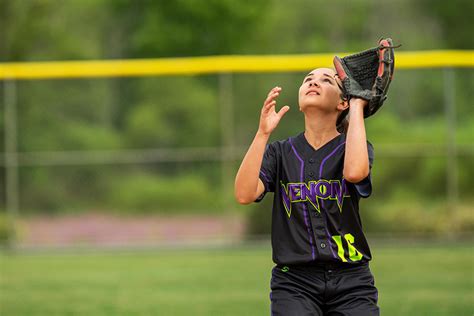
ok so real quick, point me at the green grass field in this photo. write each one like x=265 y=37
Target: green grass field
x=413 y=279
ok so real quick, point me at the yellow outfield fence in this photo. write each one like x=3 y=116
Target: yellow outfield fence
x=217 y=64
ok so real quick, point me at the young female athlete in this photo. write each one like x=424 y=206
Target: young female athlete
x=318 y=177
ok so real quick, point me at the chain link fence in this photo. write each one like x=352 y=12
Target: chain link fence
x=149 y=159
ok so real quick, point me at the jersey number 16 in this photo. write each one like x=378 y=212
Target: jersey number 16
x=354 y=254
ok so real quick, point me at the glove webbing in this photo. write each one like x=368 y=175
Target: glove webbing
x=363 y=67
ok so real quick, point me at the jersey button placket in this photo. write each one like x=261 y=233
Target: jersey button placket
x=313 y=225
x=314 y=213
x=311 y=172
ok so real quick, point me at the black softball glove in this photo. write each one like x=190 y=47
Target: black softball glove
x=368 y=74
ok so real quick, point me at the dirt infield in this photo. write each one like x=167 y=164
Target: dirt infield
x=99 y=229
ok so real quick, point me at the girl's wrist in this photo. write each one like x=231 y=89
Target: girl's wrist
x=261 y=133
x=357 y=106
x=358 y=102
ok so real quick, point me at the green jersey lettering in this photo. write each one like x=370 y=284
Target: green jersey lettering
x=340 y=249
x=354 y=254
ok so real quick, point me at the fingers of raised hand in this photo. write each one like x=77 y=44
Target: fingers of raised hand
x=269 y=105
x=275 y=89
x=275 y=92
x=283 y=110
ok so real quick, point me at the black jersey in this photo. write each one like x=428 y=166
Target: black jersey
x=315 y=217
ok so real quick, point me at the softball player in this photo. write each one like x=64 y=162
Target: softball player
x=318 y=178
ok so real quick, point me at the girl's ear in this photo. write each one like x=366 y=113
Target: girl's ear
x=343 y=105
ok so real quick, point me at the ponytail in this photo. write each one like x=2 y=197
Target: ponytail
x=342 y=123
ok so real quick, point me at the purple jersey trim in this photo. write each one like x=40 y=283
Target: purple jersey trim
x=305 y=211
x=327 y=157
x=322 y=202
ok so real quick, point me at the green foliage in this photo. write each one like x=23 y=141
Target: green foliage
x=388 y=129
x=190 y=27
x=51 y=30
x=401 y=215
x=73 y=136
x=65 y=115
x=63 y=188
x=142 y=193
x=455 y=20
x=169 y=103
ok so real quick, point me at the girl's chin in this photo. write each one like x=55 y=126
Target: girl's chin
x=311 y=107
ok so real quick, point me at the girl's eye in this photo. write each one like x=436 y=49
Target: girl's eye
x=327 y=80
x=307 y=79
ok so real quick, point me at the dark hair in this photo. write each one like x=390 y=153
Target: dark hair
x=342 y=123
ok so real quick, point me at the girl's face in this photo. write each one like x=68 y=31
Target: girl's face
x=320 y=89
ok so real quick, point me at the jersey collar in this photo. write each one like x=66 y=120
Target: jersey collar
x=306 y=149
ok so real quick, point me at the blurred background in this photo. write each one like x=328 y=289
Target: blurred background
x=144 y=165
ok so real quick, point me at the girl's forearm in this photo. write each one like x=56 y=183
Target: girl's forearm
x=247 y=187
x=356 y=160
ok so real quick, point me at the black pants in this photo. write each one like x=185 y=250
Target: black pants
x=301 y=290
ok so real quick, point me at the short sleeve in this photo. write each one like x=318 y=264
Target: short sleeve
x=364 y=187
x=268 y=170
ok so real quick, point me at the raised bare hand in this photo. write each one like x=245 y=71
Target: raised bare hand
x=269 y=118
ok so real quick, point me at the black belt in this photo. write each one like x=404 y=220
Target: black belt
x=330 y=265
